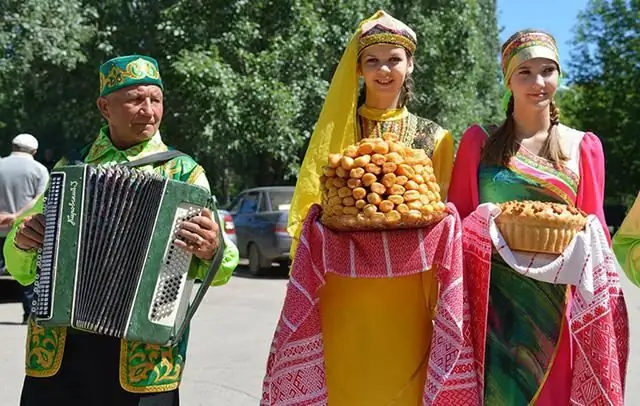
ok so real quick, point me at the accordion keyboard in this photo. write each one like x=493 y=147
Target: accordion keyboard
x=45 y=275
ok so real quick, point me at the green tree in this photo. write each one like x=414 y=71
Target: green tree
x=34 y=34
x=245 y=81
x=256 y=79
x=605 y=70
x=458 y=83
x=570 y=101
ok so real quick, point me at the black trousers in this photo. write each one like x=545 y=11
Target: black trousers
x=27 y=291
x=89 y=375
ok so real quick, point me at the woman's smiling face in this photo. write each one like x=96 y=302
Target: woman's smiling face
x=534 y=82
x=384 y=68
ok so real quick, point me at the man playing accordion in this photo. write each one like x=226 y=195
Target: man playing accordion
x=65 y=366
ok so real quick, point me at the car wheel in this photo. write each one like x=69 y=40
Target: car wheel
x=255 y=261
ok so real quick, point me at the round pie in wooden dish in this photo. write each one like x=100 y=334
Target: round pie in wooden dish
x=542 y=227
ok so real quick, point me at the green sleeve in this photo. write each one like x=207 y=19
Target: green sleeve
x=626 y=243
x=21 y=264
x=195 y=175
x=626 y=247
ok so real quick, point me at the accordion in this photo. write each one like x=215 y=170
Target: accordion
x=108 y=264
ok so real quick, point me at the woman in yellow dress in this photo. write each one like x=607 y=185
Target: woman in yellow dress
x=376 y=331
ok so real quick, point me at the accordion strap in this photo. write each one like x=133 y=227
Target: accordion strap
x=158 y=157
x=208 y=279
x=77 y=158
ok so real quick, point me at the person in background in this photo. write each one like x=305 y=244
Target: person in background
x=49 y=159
x=22 y=181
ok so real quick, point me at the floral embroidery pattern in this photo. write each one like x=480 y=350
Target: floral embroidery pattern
x=138 y=69
x=415 y=131
x=151 y=367
x=44 y=350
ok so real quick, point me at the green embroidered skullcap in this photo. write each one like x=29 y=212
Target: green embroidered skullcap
x=128 y=70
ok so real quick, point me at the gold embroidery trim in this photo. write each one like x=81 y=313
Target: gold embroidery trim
x=170 y=169
x=197 y=171
x=386 y=38
x=41 y=353
x=525 y=41
x=148 y=368
x=411 y=130
x=136 y=70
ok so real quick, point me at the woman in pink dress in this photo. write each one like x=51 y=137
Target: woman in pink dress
x=528 y=348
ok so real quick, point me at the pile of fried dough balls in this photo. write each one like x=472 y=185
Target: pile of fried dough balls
x=379 y=184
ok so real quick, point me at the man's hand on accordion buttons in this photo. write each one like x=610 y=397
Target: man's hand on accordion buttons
x=30 y=233
x=200 y=235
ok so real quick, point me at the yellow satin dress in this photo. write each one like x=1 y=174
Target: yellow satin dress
x=377 y=332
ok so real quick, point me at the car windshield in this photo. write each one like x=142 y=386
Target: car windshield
x=281 y=199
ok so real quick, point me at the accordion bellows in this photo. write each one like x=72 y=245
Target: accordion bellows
x=108 y=264
x=540 y=227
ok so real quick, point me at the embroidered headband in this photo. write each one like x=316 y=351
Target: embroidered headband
x=524 y=46
x=387 y=30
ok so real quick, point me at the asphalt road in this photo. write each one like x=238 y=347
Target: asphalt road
x=230 y=339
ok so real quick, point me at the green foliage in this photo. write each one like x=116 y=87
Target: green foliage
x=458 y=83
x=570 y=101
x=245 y=80
x=604 y=96
x=45 y=30
x=34 y=33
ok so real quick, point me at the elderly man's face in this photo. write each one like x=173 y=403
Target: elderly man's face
x=134 y=113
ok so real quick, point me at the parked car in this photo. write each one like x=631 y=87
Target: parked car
x=260 y=218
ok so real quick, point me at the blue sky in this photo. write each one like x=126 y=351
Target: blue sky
x=557 y=17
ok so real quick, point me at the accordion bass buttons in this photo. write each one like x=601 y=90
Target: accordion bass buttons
x=173 y=289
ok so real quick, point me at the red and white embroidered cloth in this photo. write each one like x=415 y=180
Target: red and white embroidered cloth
x=295 y=368
x=599 y=325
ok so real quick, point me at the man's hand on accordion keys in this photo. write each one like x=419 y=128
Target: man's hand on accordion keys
x=200 y=236
x=30 y=233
